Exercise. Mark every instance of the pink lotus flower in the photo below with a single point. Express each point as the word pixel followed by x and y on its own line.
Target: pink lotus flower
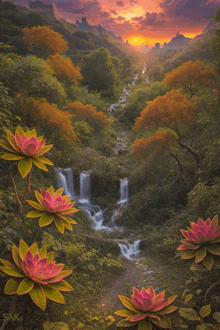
pixel 35 273
pixel 146 308
pixel 27 148
pixel 202 241
pixel 52 206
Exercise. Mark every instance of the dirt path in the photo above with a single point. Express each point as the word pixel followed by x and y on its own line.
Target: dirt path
pixel 149 271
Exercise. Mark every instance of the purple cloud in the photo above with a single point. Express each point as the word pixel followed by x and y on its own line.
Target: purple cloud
pixel 151 19
pixel 195 10
pixel 120 18
pixel 133 1
pixel 120 3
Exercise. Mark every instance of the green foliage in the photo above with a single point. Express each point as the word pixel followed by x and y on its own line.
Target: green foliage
pixel 137 100
pixel 82 95
pixel 99 73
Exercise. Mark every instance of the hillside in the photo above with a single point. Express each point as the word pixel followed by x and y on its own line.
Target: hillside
pixel 199 48
pixel 14 18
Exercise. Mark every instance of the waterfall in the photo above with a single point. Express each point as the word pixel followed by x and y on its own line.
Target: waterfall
pixel 129 251
pixel 69 177
pixel 62 181
pixel 84 188
pixel 123 191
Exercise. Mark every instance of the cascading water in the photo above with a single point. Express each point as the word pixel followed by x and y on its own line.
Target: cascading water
pixel 84 188
pixel 123 191
pixel 69 179
pixel 129 251
pixel 62 181
pixel 65 180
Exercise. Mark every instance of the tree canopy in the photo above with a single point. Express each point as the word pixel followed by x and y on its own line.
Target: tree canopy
pixel 44 41
pixel 190 76
pixel 99 72
pixel 168 110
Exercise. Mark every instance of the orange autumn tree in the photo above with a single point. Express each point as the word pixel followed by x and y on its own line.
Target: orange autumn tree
pixel 157 142
pixel 171 110
pixel 64 68
pixel 190 76
pixel 96 119
pixel 49 117
pixel 152 145
pixel 44 41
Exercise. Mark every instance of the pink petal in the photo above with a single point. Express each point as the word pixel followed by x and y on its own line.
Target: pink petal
pixel 25 268
pixel 56 270
pixel 137 303
pixel 135 292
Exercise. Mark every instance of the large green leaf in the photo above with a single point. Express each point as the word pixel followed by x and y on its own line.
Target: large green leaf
pixel 164 322
pixel 39 164
pixel 12 271
pixel 33 248
pixel 60 276
pixel 44 160
pixel 6 146
pixel 8 156
pixel 124 323
pixel 205 310
pixel 50 257
pixel 16 256
pixel 38 296
pixel 216 316
pixel 208 261
pixel 11 286
pixel 25 286
pixel 38 197
pixel 23 249
pixel 24 167
pixel 36 205
pixel 19 131
pixel 11 140
pixel 214 249
pixel 189 314
pixel 45 149
pixel 189 254
pixel 201 253
pixel 59 224
pixel 70 220
pixel 67 224
pixel 124 313
pixel 46 219
pixel 167 310
pixel 62 286
pixel 145 325
pixel 42 252
pixel 128 303
pixel 54 295
pixel 35 214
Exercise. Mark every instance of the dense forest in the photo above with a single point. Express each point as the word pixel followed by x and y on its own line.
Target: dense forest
pixel 68 97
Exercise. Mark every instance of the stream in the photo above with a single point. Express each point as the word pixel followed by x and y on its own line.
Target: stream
pixel 95 213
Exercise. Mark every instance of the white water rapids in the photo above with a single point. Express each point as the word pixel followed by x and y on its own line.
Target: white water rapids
pixel 65 180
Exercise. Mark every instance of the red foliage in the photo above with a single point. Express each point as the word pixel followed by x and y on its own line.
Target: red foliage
pixel 142 148
pixel 96 119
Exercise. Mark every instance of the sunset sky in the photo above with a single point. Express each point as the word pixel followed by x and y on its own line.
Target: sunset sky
pixel 141 21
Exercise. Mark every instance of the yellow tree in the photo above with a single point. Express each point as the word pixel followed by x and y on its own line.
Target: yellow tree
pixel 64 68
pixel 171 110
pixel 44 41
pixel 190 76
